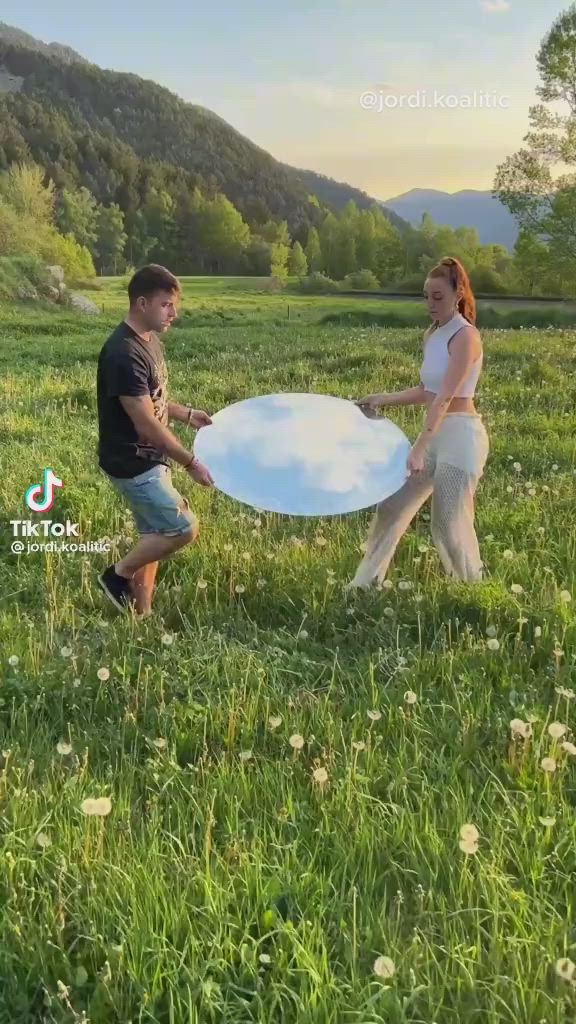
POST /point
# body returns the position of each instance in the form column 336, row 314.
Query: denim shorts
column 155, row 503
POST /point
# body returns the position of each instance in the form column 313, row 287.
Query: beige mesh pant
column 454, row 464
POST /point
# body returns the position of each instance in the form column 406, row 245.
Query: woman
column 448, row 458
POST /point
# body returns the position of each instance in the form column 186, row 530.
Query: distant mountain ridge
column 468, row 208
column 17, row 37
column 120, row 110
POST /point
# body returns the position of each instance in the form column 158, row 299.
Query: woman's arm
column 413, row 396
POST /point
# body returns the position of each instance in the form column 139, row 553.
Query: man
column 135, row 442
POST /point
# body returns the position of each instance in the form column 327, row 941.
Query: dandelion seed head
column 557, row 730
column 384, row 967
column 469, row 833
column 565, row 969
column 98, row 808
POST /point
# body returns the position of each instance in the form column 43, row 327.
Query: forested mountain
column 337, row 194
column 109, row 131
column 19, row 38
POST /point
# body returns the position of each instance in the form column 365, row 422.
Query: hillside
column 17, row 37
column 470, row 208
column 104, row 129
column 336, row 194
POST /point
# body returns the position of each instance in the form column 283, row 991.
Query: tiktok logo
column 40, row 497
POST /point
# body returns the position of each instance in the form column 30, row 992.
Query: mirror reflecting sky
column 303, row 454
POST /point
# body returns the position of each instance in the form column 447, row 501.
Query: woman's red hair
column 452, row 271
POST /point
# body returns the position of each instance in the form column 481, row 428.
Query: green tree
column 24, row 190
column 543, row 205
column 345, row 261
column 531, row 261
column 275, row 231
column 329, row 243
column 223, row 233
column 366, row 240
column 279, row 260
column 297, row 262
column 77, row 214
column 313, row 251
column 111, row 237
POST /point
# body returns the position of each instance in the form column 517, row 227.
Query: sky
column 387, row 96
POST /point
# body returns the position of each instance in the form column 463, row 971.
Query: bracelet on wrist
column 190, row 411
column 192, row 461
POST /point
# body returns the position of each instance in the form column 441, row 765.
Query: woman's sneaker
column 116, row 588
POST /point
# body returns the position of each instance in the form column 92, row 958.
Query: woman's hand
column 416, row 459
column 371, row 402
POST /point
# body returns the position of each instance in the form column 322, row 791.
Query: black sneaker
column 116, row 588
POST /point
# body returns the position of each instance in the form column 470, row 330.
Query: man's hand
column 200, row 474
column 199, row 419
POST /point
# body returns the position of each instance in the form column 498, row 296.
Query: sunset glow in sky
column 297, row 78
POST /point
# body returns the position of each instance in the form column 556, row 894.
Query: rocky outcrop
column 84, row 305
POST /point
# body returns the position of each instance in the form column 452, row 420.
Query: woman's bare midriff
column 456, row 405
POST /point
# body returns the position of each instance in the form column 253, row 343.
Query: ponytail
column 452, row 270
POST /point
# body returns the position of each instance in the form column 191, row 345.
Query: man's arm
column 185, row 414
column 141, row 411
column 178, row 412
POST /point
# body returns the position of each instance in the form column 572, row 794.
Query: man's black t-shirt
column 128, row 365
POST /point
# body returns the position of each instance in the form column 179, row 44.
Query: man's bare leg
column 141, row 563
column 142, row 584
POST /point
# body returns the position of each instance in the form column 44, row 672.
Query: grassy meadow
column 282, row 771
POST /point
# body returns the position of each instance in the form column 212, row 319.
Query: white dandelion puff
column 384, row 967
column 98, row 808
column 557, row 730
column 296, row 741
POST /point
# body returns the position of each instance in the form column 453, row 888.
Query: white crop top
column 436, row 357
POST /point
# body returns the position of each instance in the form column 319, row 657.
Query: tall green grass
column 228, row 884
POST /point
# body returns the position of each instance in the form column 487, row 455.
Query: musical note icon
column 33, row 496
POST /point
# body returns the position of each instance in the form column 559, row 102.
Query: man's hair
column 151, row 279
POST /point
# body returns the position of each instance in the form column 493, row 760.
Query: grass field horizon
column 282, row 771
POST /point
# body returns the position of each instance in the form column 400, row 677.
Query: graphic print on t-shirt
column 159, row 391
